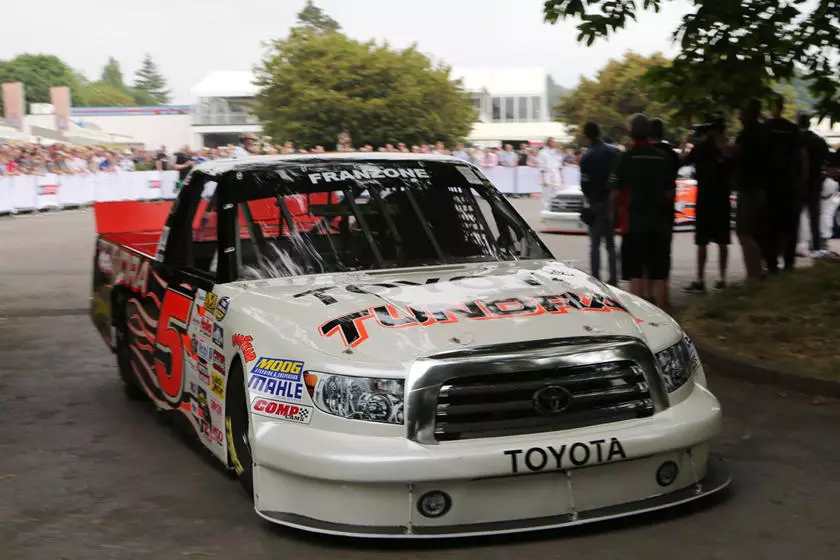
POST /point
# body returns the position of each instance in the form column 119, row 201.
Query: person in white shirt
column 460, row 153
column 248, row 147
column 550, row 163
column 490, row 159
column 126, row 163
column 509, row 158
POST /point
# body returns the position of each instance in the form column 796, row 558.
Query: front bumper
column 561, row 222
column 367, row 486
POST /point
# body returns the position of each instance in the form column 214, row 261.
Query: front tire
column 236, row 429
column 122, row 336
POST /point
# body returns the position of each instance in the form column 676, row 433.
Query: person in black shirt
column 657, row 140
column 161, row 159
column 595, row 167
column 787, row 162
column 647, row 176
column 750, row 156
column 713, row 209
column 817, row 152
column 183, row 165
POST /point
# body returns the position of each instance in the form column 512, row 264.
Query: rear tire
column 240, row 457
column 131, row 386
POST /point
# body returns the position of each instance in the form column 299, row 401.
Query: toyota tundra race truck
column 380, row 346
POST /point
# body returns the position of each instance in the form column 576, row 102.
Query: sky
column 192, row 38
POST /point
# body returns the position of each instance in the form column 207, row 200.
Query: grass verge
column 790, row 322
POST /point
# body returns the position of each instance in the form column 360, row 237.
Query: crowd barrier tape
column 29, row 193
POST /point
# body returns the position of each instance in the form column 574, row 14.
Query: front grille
column 567, row 203
column 503, row 404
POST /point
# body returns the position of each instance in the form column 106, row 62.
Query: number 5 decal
column 169, row 350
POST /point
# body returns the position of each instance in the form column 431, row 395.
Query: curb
column 724, row 363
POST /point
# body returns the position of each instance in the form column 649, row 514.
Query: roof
column 226, row 83
column 526, row 80
column 256, row 163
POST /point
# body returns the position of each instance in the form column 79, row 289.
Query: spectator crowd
column 775, row 167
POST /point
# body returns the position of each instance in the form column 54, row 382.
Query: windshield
column 320, row 217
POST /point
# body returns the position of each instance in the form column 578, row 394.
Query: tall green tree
column 39, row 72
column 148, row 79
column 101, row 94
column 112, row 75
column 314, row 85
column 730, row 50
column 618, row 91
column 314, row 18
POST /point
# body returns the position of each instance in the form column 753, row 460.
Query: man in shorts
column 750, row 156
column 645, row 173
column 713, row 209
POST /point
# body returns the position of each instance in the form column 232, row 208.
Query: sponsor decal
column 222, row 308
column 218, row 336
column 281, row 410
column 154, row 183
column 218, row 359
column 217, row 384
column 278, row 368
column 564, row 456
column 368, row 172
column 217, row 435
column 201, row 411
column 126, row 269
column 204, row 353
column 216, row 407
column 210, row 302
column 351, row 327
column 206, row 326
column 161, row 248
column 203, row 373
column 283, row 388
column 243, row 342
column 47, row 190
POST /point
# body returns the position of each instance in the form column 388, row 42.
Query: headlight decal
column 675, row 363
column 358, row 398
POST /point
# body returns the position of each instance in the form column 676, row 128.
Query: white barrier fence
column 27, row 193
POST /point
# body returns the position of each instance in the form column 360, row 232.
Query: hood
column 391, row 318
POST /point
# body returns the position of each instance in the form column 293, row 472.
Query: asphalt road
column 85, row 474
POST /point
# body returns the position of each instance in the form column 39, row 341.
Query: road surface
column 85, row 474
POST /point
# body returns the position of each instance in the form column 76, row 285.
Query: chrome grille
column 506, row 404
column 567, row 203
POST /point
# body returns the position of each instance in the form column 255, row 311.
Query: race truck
column 378, row 345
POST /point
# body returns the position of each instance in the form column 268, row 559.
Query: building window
column 497, row 109
column 536, row 108
column 476, row 102
column 523, row 109
column 510, row 109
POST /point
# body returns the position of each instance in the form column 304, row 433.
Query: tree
column 314, row 85
column 112, row 75
column 314, row 18
column 730, row 50
column 39, row 72
column 148, row 79
column 101, row 94
column 618, row 91
column 143, row 98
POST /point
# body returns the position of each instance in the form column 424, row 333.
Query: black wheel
column 131, row 386
column 236, row 429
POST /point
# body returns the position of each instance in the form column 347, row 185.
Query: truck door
column 185, row 329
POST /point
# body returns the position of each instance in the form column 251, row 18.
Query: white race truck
column 380, row 346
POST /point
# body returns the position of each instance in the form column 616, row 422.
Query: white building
column 151, row 127
column 222, row 101
column 513, row 105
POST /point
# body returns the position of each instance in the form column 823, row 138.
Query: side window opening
column 203, row 254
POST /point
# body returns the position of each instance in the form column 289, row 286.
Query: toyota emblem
column 551, row 400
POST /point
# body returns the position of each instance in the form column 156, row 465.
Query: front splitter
column 717, row 478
